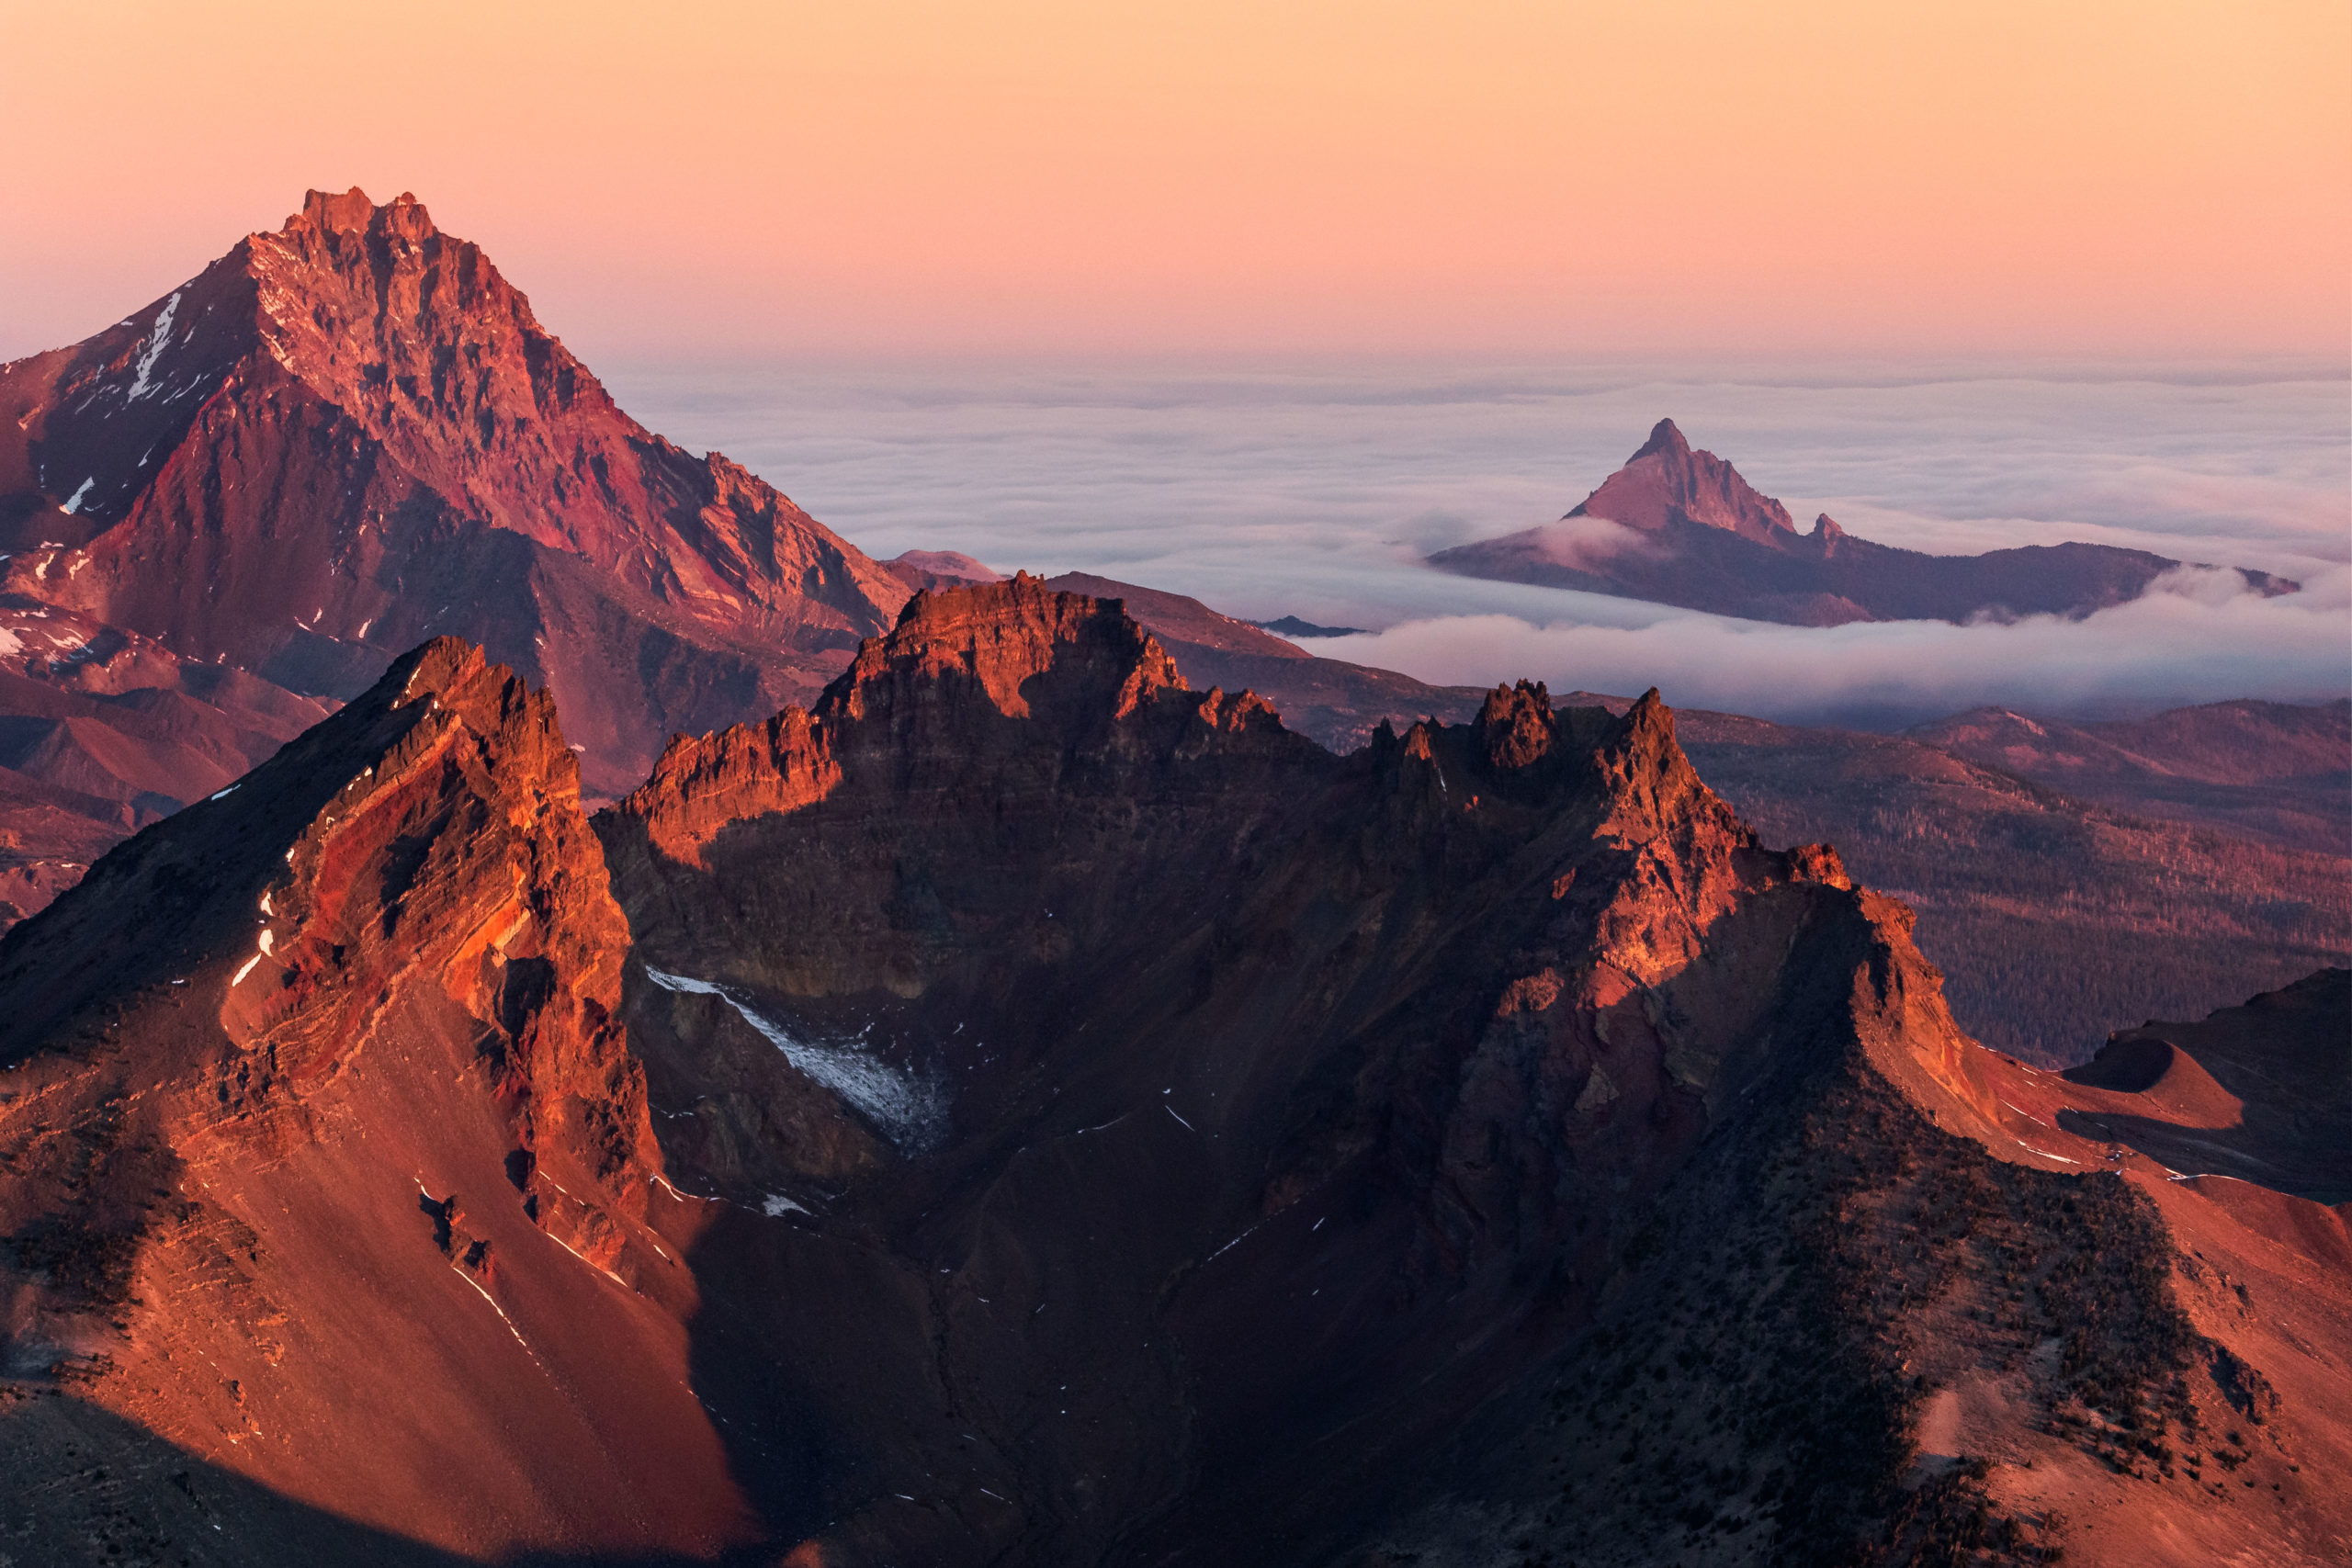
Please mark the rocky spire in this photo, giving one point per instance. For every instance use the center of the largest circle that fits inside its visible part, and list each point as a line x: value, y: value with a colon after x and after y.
x: 1669, y: 481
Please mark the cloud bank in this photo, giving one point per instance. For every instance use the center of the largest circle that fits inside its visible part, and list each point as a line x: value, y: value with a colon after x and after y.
x: 1316, y: 493
x: 2197, y: 637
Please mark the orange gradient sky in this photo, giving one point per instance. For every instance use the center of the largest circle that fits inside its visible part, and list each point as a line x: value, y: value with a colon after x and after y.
x: 2161, y: 178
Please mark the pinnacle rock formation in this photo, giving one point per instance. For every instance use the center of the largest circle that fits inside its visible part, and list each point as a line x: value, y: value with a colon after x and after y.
x: 1667, y: 480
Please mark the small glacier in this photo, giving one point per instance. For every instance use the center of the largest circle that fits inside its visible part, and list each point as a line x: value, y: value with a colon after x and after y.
x: 911, y: 1108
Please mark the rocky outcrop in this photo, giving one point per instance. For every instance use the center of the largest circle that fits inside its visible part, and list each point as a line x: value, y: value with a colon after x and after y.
x: 357, y: 1096
x: 351, y: 434
x: 1677, y: 526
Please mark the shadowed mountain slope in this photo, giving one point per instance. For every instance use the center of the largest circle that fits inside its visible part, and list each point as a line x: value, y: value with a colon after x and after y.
x: 1151, y: 1078
x: 1676, y: 526
x: 2261, y: 1092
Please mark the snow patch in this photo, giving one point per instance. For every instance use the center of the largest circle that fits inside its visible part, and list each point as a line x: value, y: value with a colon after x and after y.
x: 238, y: 977
x: 776, y: 1205
x: 73, y: 505
x: 500, y: 1311
x: 156, y: 343
x: 912, y: 1109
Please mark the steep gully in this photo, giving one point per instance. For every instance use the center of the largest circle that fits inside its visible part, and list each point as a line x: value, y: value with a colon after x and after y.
x: 1295, y: 1128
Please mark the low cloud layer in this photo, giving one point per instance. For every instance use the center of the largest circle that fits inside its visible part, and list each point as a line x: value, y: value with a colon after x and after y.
x: 2197, y: 637
x: 1318, y: 493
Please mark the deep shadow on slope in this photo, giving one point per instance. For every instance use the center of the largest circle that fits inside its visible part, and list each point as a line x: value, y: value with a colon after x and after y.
x: 1301, y: 1107
x: 85, y: 1489
x: 1836, y: 1230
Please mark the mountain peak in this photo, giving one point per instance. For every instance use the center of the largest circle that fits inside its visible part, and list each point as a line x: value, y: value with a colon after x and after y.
x: 1665, y: 437
x: 1669, y: 481
x: 1019, y: 640
x: 353, y: 213
x: 352, y: 432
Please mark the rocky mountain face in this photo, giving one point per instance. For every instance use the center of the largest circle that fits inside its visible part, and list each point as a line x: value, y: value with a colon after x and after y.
x: 1666, y: 482
x: 1677, y: 525
x: 1106, y: 1127
x: 326, y: 1172
x: 351, y: 434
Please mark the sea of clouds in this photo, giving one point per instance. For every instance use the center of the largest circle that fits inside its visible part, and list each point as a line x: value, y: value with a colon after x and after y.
x: 1316, y: 492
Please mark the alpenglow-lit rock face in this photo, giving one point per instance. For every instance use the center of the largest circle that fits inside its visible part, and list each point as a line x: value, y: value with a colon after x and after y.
x: 352, y: 432
x: 329, y: 1175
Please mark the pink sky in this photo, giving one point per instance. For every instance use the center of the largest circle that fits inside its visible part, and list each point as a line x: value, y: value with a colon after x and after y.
x: 1027, y: 176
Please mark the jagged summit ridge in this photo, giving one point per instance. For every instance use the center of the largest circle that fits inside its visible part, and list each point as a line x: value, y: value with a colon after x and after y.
x: 1667, y: 478
x: 1003, y: 636
x: 967, y: 673
x: 351, y: 212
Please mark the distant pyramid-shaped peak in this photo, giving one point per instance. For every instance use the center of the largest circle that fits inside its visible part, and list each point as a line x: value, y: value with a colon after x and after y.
x: 1668, y: 479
